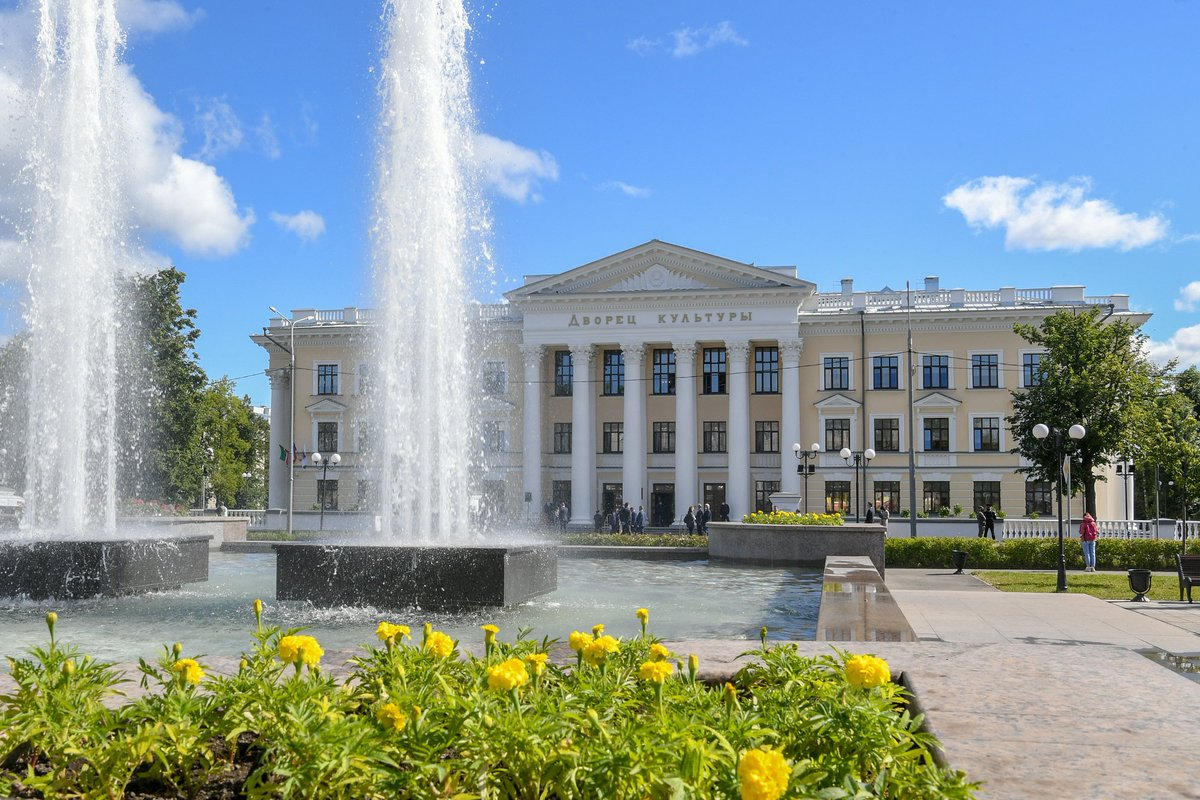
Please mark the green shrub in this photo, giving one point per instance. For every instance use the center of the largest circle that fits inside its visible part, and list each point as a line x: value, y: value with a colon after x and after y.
x: 634, y: 539
x: 792, y: 518
x: 934, y: 552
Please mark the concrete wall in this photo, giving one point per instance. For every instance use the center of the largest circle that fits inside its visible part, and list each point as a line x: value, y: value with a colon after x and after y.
x: 795, y: 545
x: 220, y: 529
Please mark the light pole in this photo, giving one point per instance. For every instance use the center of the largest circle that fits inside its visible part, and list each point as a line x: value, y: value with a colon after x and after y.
x: 1040, y: 432
x: 204, y: 473
x: 857, y: 459
x: 1125, y: 470
x: 325, y: 462
x: 804, y: 467
x: 291, y: 445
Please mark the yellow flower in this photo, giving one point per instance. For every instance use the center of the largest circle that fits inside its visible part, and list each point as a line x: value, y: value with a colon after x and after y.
x: 598, y: 651
x: 489, y: 634
x: 865, y: 672
x: 597, y: 630
x: 258, y: 606
x: 763, y: 775
x: 387, y: 632
x: 536, y: 662
x: 390, y: 714
x: 659, y: 652
x: 441, y: 644
x: 300, y: 650
x: 507, y: 675
x: 189, y: 669
x: 655, y: 671
x: 643, y: 615
x: 579, y: 640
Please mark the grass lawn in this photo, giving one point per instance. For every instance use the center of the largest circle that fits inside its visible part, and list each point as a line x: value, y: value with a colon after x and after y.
x: 1105, y: 585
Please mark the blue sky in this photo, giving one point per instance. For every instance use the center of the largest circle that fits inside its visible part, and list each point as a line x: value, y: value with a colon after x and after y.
x: 990, y: 144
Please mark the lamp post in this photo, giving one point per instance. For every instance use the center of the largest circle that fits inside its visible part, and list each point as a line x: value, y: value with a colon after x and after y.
x: 325, y: 462
x: 1040, y: 432
x: 204, y: 473
x: 857, y: 459
x: 291, y: 445
x: 804, y: 467
x: 1125, y: 470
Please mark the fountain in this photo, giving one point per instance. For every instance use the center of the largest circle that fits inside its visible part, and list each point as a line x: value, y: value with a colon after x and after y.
x: 429, y: 219
x: 76, y: 240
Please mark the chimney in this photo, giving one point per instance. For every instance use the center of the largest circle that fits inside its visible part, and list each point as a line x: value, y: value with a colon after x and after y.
x: 931, y: 283
x: 847, y: 286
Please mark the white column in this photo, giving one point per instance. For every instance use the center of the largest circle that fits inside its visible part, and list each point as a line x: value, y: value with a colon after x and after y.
x: 737, y: 487
x: 277, y: 473
x: 789, y: 422
x: 531, y: 431
x: 583, y: 437
x: 686, y: 490
x: 633, y: 460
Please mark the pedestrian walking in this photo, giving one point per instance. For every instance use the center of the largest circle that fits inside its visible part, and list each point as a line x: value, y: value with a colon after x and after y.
x: 989, y: 523
x: 1088, y: 533
x: 982, y: 522
x: 884, y: 516
x: 723, y: 510
x: 689, y: 519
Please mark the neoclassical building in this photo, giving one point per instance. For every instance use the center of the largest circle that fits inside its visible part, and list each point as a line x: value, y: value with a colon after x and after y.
x: 667, y: 377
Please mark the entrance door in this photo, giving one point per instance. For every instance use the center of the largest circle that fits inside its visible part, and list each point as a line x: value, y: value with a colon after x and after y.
x: 610, y: 497
x: 714, y: 495
x: 662, y: 505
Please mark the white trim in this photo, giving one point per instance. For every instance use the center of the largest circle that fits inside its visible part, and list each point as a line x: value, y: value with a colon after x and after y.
x: 949, y: 355
x: 852, y: 417
x: 871, y: 428
x: 987, y: 476
x: 999, y: 354
x: 322, y: 362
x: 973, y: 415
x: 900, y: 358
x: 359, y: 371
x: 953, y: 433
x: 313, y: 440
x: 849, y: 371
x: 1021, y: 365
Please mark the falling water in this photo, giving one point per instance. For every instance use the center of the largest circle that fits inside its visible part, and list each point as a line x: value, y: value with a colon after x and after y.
x: 75, y: 241
x: 428, y: 214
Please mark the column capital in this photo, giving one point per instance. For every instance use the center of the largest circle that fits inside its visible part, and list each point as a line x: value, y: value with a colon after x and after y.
x: 634, y: 353
x: 280, y: 378
x: 533, y: 354
x: 582, y: 355
x: 791, y: 348
x: 739, y: 350
x: 684, y: 350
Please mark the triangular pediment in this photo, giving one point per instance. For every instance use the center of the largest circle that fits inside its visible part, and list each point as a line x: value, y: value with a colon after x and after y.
x: 326, y: 406
x: 659, y: 267
x: 838, y: 401
x: 937, y: 400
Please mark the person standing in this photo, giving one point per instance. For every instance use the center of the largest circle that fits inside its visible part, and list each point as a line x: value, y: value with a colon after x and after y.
x: 1088, y: 533
x: 705, y: 518
x: 614, y: 522
x: 989, y: 523
x: 723, y: 510
x: 979, y: 519
x: 870, y: 515
x: 689, y: 519
x: 884, y: 516
x: 598, y: 519
x: 564, y: 514
x: 639, y: 521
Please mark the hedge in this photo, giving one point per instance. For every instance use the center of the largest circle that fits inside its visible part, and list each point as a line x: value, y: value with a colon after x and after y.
x: 1111, y: 554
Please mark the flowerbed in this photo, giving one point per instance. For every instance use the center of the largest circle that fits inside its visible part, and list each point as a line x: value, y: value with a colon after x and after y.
x: 624, y: 719
x: 634, y: 539
x: 1118, y: 554
x: 792, y: 518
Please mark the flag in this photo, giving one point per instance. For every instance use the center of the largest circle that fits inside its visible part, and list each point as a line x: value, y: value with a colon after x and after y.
x: 283, y: 454
x: 295, y: 453
x: 303, y: 457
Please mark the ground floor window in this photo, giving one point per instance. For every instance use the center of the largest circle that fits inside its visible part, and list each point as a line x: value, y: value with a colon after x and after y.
x: 936, y: 496
x: 560, y: 492
x: 610, y: 497
x: 987, y: 493
x: 887, y: 495
x: 762, y: 495
x: 1039, y: 498
x: 327, y: 495
x: 837, y: 497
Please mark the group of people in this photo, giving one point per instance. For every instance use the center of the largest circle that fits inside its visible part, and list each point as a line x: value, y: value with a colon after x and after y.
x: 622, y: 519
x: 556, y: 516
x: 878, y: 514
x: 986, y: 518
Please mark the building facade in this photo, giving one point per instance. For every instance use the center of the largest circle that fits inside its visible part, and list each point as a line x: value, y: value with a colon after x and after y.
x: 665, y: 377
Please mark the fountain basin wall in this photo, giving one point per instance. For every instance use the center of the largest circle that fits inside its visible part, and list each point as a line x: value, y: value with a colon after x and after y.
x: 76, y: 568
x: 794, y: 545
x: 433, y: 578
x: 218, y: 529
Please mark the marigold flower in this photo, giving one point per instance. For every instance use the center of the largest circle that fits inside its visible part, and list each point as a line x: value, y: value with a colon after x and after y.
x: 693, y: 665
x: 489, y: 634
x: 440, y: 644
x: 655, y: 671
x: 536, y: 662
x: 300, y: 650
x: 258, y: 606
x: 763, y: 775
x: 659, y: 652
x: 597, y: 630
x: 508, y: 675
x: 598, y: 651
x: 191, y: 671
x: 390, y: 714
x: 865, y: 672
x: 387, y: 632
x: 579, y: 640
x: 643, y: 615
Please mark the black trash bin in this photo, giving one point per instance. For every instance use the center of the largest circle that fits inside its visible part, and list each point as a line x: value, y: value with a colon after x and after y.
x: 960, y: 560
x: 1139, y: 583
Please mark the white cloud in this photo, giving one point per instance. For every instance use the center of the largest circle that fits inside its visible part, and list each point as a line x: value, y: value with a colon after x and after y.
x: 514, y: 171
x: 1189, y: 297
x: 155, y: 16
x: 626, y: 188
x: 308, y: 225
x: 690, y: 41
x: 221, y: 128
x: 268, y: 140
x: 1051, y: 216
x: 1184, y: 345
x: 642, y: 45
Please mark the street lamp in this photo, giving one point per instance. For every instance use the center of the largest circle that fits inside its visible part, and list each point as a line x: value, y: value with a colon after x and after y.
x: 804, y: 467
x: 291, y: 410
x: 325, y: 462
x: 1040, y: 432
x: 856, y: 459
x: 204, y: 482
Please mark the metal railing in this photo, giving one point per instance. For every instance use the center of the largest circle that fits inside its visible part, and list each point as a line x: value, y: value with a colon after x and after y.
x: 1047, y: 528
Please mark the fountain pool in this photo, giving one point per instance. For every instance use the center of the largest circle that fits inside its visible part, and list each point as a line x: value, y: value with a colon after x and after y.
x: 687, y: 599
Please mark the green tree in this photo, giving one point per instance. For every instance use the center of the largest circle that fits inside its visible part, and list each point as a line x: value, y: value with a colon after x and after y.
x: 238, y: 438
x: 14, y: 411
x: 1094, y: 372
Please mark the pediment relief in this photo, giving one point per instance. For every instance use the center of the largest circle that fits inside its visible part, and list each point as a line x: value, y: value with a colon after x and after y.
x: 326, y: 406
x: 838, y: 401
x: 655, y: 279
x: 937, y: 400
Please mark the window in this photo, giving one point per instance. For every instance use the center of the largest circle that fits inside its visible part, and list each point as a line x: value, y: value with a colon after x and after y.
x: 614, y: 437
x: 493, y: 436
x: 1039, y: 497
x: 327, y: 378
x: 987, y: 434
x: 985, y: 371
x: 837, y: 435
x: 936, y: 495
x: 365, y: 384
x: 495, y: 380
x: 762, y: 495
x: 327, y: 495
x: 562, y: 437
x: 368, y: 494
x: 664, y: 437
x: 663, y: 378
x: 714, y: 437
x: 937, y: 434
x: 935, y: 372
x: 837, y: 496
x: 714, y: 370
x: 885, y: 372
x: 837, y: 372
x: 766, y: 370
x: 560, y: 492
x: 887, y: 435
x: 614, y: 372
x: 563, y: 373
x: 887, y: 495
x: 987, y: 493
x: 766, y: 437
x: 1031, y: 369
x: 327, y: 438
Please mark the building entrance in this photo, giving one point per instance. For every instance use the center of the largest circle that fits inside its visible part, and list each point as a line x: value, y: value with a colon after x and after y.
x: 662, y: 505
x: 610, y: 497
x: 714, y: 495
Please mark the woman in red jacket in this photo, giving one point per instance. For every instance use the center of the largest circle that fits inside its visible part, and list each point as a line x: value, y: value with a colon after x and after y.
x: 1087, y: 538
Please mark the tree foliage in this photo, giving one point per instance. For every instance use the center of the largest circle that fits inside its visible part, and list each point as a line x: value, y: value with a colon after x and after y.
x: 1095, y: 373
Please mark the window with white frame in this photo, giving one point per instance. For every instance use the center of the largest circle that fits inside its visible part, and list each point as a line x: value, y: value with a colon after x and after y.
x: 495, y: 378
x: 986, y: 434
x: 836, y: 373
x: 327, y: 379
x: 985, y: 371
